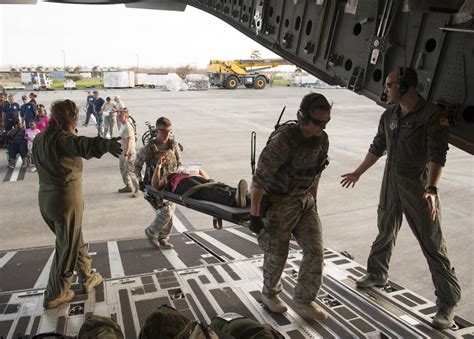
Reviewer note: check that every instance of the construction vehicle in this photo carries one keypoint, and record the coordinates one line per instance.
(232, 73)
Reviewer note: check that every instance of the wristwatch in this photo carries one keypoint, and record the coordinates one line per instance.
(431, 189)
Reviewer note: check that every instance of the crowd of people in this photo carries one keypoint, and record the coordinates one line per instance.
(283, 194)
(104, 113)
(19, 126)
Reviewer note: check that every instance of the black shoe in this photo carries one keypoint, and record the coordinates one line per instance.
(241, 194)
(125, 189)
(370, 280)
(444, 318)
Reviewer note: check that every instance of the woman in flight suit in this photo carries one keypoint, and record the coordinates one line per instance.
(58, 152)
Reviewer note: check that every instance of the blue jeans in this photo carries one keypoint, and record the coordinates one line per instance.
(99, 117)
(17, 148)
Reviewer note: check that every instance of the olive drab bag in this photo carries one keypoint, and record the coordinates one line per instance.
(167, 323)
(100, 327)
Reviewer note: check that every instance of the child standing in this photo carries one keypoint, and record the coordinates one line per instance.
(31, 133)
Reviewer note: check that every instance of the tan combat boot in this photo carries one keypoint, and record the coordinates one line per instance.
(166, 244)
(274, 304)
(311, 311)
(90, 283)
(62, 299)
(444, 318)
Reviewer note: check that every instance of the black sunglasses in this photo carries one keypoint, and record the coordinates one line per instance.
(320, 123)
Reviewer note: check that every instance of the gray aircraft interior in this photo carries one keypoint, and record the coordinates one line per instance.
(348, 43)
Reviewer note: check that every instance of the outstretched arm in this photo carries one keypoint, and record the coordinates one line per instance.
(349, 179)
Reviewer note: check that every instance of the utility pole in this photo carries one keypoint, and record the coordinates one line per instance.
(64, 59)
(137, 62)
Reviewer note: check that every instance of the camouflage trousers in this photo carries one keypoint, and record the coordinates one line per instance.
(126, 170)
(161, 226)
(109, 124)
(297, 217)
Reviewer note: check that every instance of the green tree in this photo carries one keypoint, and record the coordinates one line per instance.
(255, 54)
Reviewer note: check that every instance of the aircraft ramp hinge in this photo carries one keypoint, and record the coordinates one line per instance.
(258, 18)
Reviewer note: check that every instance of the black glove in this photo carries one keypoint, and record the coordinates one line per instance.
(141, 186)
(256, 224)
(114, 147)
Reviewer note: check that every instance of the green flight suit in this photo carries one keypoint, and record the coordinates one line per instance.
(411, 141)
(59, 162)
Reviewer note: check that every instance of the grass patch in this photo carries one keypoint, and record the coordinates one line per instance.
(83, 83)
(281, 82)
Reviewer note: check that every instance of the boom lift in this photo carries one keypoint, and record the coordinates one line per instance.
(229, 74)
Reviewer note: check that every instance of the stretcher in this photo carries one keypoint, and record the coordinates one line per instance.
(219, 212)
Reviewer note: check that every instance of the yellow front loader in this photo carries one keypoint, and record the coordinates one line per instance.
(232, 73)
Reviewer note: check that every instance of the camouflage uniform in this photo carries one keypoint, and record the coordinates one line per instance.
(287, 169)
(419, 137)
(149, 155)
(100, 327)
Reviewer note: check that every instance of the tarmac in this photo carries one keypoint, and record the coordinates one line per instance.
(215, 128)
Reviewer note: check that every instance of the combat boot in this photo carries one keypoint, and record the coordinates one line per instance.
(62, 299)
(94, 280)
(311, 311)
(125, 189)
(151, 239)
(370, 280)
(241, 194)
(444, 318)
(274, 304)
(166, 244)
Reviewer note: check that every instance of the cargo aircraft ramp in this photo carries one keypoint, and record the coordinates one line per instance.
(208, 273)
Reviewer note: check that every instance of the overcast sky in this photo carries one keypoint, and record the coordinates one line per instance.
(113, 35)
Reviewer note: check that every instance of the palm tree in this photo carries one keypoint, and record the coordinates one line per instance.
(255, 54)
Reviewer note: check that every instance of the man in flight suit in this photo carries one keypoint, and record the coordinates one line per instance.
(414, 134)
(163, 152)
(287, 179)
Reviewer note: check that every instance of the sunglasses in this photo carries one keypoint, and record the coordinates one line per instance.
(319, 123)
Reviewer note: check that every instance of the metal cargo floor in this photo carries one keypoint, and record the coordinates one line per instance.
(208, 273)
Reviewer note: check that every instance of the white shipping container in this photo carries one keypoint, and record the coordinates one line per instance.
(157, 79)
(26, 77)
(119, 79)
(141, 79)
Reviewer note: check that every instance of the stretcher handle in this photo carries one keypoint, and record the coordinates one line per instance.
(253, 147)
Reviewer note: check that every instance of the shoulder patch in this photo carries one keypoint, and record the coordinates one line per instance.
(444, 122)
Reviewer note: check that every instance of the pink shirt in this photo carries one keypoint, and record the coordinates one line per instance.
(42, 123)
(176, 180)
(30, 135)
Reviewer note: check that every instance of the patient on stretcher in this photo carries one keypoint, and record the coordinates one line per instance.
(185, 178)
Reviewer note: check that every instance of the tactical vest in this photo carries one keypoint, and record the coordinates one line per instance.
(308, 158)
